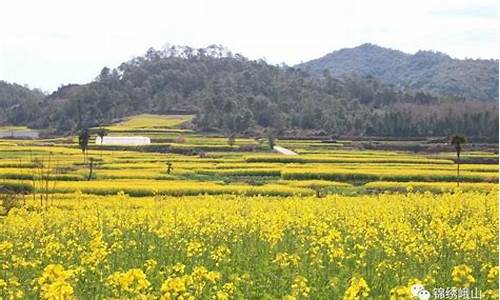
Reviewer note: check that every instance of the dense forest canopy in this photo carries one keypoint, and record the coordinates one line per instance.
(13, 98)
(232, 94)
(429, 71)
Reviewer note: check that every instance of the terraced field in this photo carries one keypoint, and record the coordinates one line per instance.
(192, 217)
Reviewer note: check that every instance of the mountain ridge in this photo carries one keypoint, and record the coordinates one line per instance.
(425, 70)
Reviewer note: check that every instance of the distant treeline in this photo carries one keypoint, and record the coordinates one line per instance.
(231, 94)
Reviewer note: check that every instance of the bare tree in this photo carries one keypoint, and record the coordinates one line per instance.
(271, 139)
(91, 168)
(83, 142)
(231, 140)
(457, 141)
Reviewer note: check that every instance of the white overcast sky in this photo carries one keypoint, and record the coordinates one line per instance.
(48, 43)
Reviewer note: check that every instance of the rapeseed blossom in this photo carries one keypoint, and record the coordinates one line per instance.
(358, 289)
(462, 276)
(232, 246)
(54, 283)
(133, 281)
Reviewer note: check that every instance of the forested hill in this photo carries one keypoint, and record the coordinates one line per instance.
(428, 71)
(12, 97)
(231, 94)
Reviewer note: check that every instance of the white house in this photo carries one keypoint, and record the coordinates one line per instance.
(123, 140)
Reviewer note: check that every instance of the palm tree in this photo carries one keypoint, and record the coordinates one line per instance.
(83, 141)
(457, 141)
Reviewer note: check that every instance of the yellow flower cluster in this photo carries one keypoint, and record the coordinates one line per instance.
(299, 289)
(220, 254)
(194, 248)
(5, 247)
(358, 289)
(400, 293)
(53, 283)
(133, 281)
(98, 252)
(10, 289)
(493, 275)
(192, 285)
(287, 260)
(462, 276)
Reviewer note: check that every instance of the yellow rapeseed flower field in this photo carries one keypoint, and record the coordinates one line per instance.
(242, 247)
(192, 217)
